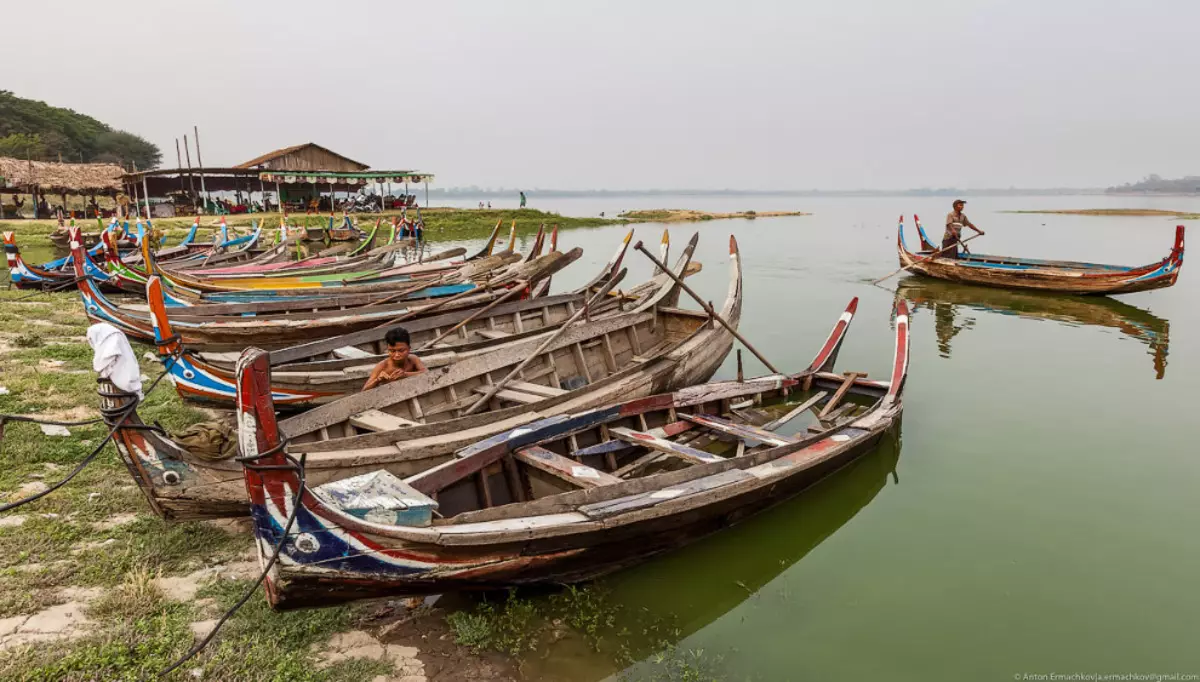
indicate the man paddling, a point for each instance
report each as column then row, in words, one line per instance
column 955, row 220
column 400, row 361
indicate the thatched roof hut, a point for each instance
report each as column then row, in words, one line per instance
column 72, row 178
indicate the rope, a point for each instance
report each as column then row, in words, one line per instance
column 248, row 462
column 118, row 416
column 58, row 287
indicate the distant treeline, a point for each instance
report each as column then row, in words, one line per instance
column 37, row 131
column 1156, row 184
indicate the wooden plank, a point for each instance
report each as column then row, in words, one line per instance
column 839, row 394
column 568, row 470
column 651, row 353
column 795, row 412
column 601, row 510
column 832, row 418
column 492, row 333
column 653, row 442
column 377, row 420
column 751, row 435
column 603, row 448
column 639, row 463
column 511, row 395
column 536, row 389
column 351, row 353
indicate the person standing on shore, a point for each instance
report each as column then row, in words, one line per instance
column 955, row 221
column 522, row 199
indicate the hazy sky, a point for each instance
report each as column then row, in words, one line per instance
column 840, row 94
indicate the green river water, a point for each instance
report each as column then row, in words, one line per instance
column 1035, row 513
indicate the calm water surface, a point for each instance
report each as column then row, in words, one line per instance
column 1042, row 509
column 1037, row 513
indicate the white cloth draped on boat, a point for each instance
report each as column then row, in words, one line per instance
column 114, row 359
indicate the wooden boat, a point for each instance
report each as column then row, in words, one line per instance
column 412, row 425
column 1064, row 277
column 321, row 371
column 946, row 299
column 561, row 500
column 276, row 330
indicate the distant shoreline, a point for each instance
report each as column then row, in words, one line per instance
column 681, row 215
column 1132, row 212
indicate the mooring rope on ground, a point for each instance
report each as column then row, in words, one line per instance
column 293, row 464
column 120, row 415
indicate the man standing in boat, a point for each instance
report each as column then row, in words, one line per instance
column 400, row 362
column 955, row 221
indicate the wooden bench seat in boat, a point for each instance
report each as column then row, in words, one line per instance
column 568, row 470
column 653, row 442
column 752, row 435
column 377, row 420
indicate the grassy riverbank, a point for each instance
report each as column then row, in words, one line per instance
column 94, row 586
column 440, row 223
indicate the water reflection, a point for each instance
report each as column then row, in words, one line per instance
column 681, row 593
column 946, row 299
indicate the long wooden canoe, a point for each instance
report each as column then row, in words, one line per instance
column 562, row 500
column 278, row 330
column 1064, row 277
column 411, row 425
column 321, row 371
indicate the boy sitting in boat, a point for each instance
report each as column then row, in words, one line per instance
column 400, row 361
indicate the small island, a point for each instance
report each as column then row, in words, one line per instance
column 1142, row 212
column 682, row 215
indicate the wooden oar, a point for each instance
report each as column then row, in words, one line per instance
column 705, row 305
column 498, row 386
column 925, row 258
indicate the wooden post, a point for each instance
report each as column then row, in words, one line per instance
column 200, row 162
column 187, row 154
column 707, row 308
column 740, row 376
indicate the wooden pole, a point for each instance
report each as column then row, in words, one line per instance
column 930, row 256
column 187, row 154
column 499, row 386
column 516, row 289
column 426, row 194
column 200, row 162
column 706, row 306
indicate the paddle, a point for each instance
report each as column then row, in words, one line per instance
column 705, row 305
column 930, row 256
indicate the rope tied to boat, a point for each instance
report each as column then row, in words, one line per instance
column 249, row 462
column 117, row 416
column 74, row 281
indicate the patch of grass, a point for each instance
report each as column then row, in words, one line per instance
column 119, row 650
column 675, row 664
column 587, row 610
column 28, row 340
column 512, row 627
column 136, row 597
column 260, row 644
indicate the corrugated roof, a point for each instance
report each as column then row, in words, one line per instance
column 288, row 150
